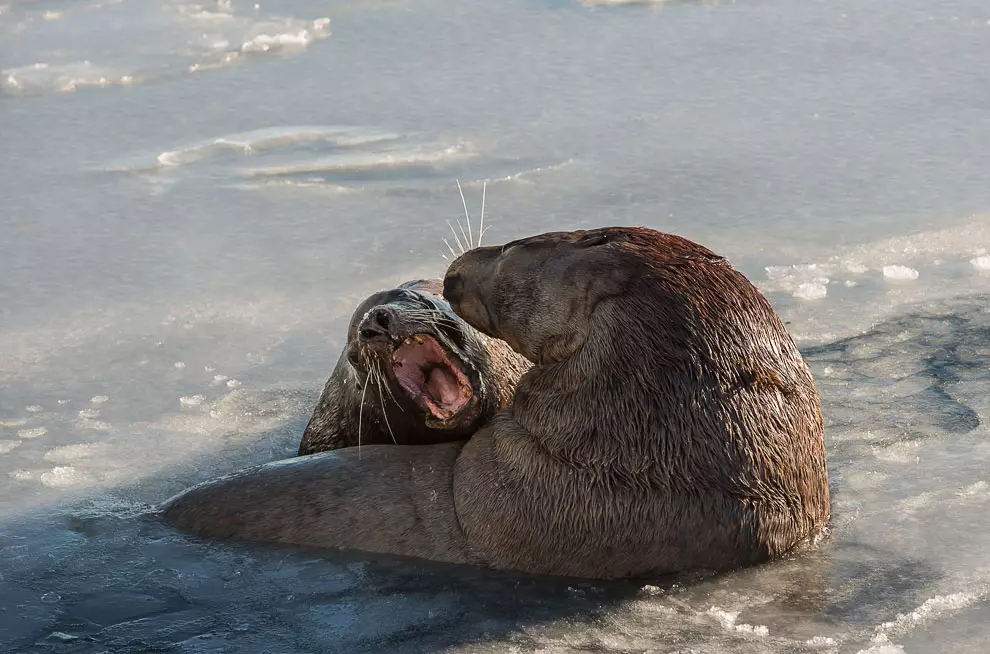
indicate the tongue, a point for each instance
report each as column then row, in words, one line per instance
column 443, row 386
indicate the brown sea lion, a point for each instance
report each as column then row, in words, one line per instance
column 411, row 373
column 668, row 423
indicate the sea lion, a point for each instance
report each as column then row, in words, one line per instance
column 411, row 373
column 669, row 423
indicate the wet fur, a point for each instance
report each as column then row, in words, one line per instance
column 357, row 407
column 669, row 423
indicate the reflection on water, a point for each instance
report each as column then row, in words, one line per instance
column 196, row 195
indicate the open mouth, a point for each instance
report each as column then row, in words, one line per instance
column 429, row 377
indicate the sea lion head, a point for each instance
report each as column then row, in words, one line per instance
column 430, row 361
column 412, row 372
column 537, row 293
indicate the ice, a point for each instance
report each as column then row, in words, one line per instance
column 810, row 291
column 173, row 36
column 75, row 452
column 98, row 399
column 171, row 197
column 728, row 620
column 899, row 272
column 62, row 476
column 981, row 263
column 33, row 432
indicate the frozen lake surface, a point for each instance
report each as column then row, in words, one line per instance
column 195, row 197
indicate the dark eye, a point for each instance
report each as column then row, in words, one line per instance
column 591, row 240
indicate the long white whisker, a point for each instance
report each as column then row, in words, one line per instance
column 456, row 238
column 447, row 243
column 481, row 226
column 381, row 378
column 364, row 390
column 470, row 237
column 381, row 399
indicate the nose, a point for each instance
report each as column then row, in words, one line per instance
column 453, row 287
column 376, row 326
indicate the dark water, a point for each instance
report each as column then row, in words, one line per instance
column 194, row 198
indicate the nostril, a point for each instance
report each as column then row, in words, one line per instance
column 381, row 319
column 375, row 326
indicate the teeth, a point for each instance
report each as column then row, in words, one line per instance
column 418, row 339
column 407, row 341
column 466, row 391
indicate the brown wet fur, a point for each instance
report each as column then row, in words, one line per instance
column 349, row 414
column 669, row 423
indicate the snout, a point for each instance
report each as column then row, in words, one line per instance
column 379, row 326
column 468, row 283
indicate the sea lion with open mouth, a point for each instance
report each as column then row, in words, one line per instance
column 412, row 373
column 668, row 423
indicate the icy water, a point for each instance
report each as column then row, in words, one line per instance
column 194, row 198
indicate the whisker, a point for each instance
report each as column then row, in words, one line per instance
column 481, row 226
column 447, row 243
column 388, row 389
column 456, row 238
column 381, row 398
column 364, row 390
column 470, row 237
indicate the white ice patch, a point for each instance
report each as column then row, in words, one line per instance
column 34, row 432
column 728, row 620
column 191, row 400
column 62, row 476
column 233, row 383
column 179, row 365
column 804, row 281
column 981, row 263
column 99, row 399
column 979, row 490
column 882, row 648
column 66, row 77
column 75, row 452
column 97, row 425
column 6, row 446
column 34, row 408
column 174, row 36
column 933, row 609
column 810, row 291
column 899, row 273
column 89, row 414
